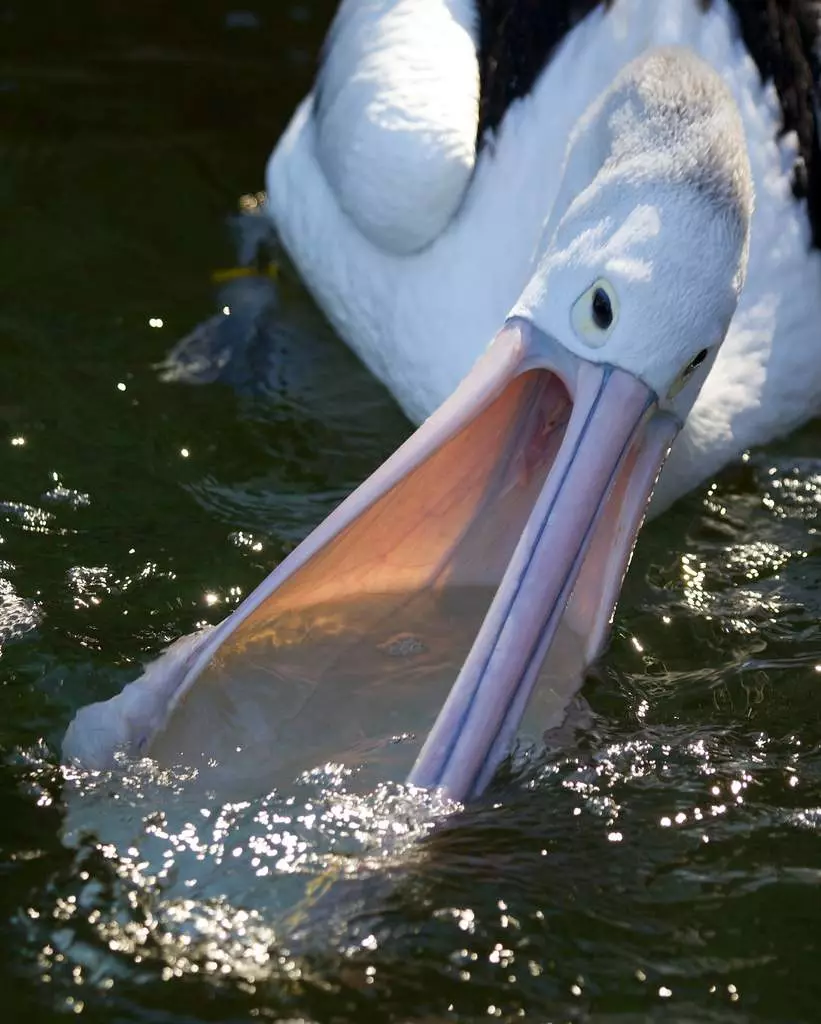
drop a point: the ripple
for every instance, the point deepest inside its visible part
(89, 584)
(265, 509)
(793, 491)
(26, 517)
(17, 615)
(60, 495)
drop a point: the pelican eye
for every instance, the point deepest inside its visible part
(595, 312)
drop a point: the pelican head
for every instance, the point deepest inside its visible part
(516, 505)
(644, 254)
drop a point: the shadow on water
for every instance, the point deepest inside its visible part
(661, 865)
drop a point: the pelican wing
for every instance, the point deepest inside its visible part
(396, 112)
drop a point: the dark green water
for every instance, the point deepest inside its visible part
(666, 866)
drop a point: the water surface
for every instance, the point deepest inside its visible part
(663, 864)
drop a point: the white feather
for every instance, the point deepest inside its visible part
(398, 114)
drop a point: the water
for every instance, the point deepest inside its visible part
(661, 865)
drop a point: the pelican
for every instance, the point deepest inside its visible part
(572, 239)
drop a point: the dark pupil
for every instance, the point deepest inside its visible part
(602, 310)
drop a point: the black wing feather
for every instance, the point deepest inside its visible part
(782, 37)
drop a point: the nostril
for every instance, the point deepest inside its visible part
(697, 360)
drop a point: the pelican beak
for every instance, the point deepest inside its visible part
(584, 446)
(496, 538)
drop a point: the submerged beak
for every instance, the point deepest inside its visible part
(516, 504)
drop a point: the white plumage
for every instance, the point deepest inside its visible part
(396, 138)
(419, 321)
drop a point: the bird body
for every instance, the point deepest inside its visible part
(420, 295)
